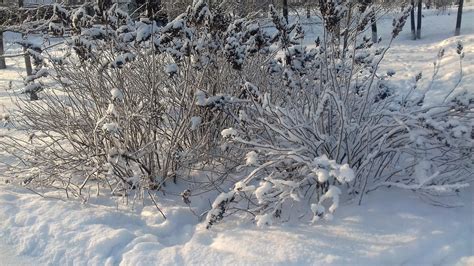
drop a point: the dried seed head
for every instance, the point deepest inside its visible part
(418, 77)
(459, 48)
(441, 53)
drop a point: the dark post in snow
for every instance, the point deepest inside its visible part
(418, 25)
(459, 18)
(285, 9)
(29, 68)
(3, 65)
(374, 28)
(412, 20)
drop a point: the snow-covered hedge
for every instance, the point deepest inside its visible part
(136, 105)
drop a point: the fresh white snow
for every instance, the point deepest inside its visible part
(391, 227)
(388, 229)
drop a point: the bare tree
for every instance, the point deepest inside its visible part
(419, 17)
(374, 28)
(308, 8)
(412, 20)
(459, 18)
(3, 65)
(285, 9)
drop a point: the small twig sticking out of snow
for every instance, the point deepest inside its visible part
(460, 52)
(156, 205)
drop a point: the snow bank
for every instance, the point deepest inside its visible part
(49, 231)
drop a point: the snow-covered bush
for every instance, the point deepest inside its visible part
(334, 102)
(283, 182)
(135, 105)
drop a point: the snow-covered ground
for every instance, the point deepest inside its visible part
(391, 227)
(388, 229)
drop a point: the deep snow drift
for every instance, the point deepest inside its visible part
(391, 227)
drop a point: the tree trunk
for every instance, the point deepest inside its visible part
(308, 9)
(412, 20)
(374, 29)
(459, 18)
(285, 10)
(3, 65)
(418, 25)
